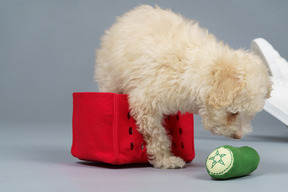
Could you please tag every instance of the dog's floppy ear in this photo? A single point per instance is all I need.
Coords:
(226, 84)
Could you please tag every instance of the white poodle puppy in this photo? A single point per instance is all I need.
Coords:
(166, 63)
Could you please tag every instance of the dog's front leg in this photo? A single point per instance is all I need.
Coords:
(157, 140)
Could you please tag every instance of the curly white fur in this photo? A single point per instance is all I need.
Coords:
(166, 63)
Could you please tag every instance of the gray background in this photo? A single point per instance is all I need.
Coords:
(47, 51)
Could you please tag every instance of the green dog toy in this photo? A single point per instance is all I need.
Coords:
(227, 162)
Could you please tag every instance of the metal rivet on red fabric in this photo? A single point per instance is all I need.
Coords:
(131, 146)
(128, 115)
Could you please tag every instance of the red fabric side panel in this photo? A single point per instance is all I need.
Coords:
(92, 127)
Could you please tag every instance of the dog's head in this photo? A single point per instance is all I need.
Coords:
(238, 88)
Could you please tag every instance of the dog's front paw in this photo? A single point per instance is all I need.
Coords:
(171, 162)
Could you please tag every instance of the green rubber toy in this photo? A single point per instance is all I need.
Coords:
(227, 162)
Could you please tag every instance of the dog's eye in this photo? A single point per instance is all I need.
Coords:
(232, 117)
(234, 114)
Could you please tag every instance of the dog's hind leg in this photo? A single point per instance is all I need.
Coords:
(158, 143)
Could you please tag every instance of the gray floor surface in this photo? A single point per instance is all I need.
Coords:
(36, 157)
